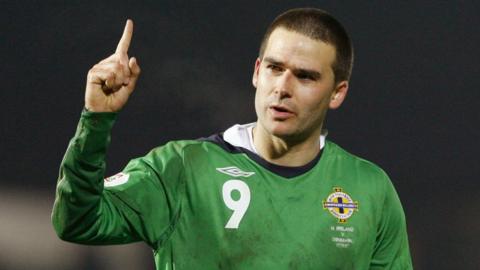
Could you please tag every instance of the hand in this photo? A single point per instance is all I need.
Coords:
(112, 80)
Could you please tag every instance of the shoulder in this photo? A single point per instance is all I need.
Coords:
(363, 176)
(181, 148)
(340, 157)
(171, 157)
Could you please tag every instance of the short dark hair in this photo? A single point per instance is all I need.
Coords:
(318, 25)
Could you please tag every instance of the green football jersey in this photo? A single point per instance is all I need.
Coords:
(214, 204)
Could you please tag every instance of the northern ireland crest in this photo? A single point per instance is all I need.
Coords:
(340, 205)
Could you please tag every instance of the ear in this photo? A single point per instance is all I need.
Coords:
(255, 72)
(338, 95)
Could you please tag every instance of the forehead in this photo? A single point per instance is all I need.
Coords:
(298, 50)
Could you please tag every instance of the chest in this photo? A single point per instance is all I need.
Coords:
(243, 213)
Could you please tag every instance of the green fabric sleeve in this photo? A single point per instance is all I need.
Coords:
(392, 249)
(87, 212)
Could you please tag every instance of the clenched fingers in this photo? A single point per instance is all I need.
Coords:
(117, 59)
(111, 76)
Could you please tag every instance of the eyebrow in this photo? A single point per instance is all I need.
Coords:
(309, 72)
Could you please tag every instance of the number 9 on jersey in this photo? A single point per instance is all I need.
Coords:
(239, 206)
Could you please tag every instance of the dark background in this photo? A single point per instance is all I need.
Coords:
(412, 106)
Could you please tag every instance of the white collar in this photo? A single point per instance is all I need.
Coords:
(242, 136)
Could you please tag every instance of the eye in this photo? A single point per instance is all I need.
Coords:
(305, 76)
(275, 68)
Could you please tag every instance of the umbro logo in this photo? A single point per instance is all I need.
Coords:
(234, 171)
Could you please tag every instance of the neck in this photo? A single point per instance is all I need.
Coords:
(284, 151)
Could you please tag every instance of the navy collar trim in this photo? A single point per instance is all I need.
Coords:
(284, 171)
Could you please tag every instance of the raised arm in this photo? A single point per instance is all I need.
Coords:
(86, 211)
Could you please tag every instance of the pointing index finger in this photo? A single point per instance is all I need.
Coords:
(124, 42)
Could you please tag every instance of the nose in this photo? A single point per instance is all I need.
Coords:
(284, 84)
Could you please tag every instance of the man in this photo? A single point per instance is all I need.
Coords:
(268, 195)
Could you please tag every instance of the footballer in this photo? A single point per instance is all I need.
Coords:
(272, 194)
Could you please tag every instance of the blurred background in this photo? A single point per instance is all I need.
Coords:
(412, 107)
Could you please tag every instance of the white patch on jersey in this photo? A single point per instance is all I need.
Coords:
(242, 136)
(116, 180)
(235, 172)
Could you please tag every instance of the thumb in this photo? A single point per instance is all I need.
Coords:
(135, 73)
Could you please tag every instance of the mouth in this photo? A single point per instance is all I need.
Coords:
(280, 109)
(280, 112)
